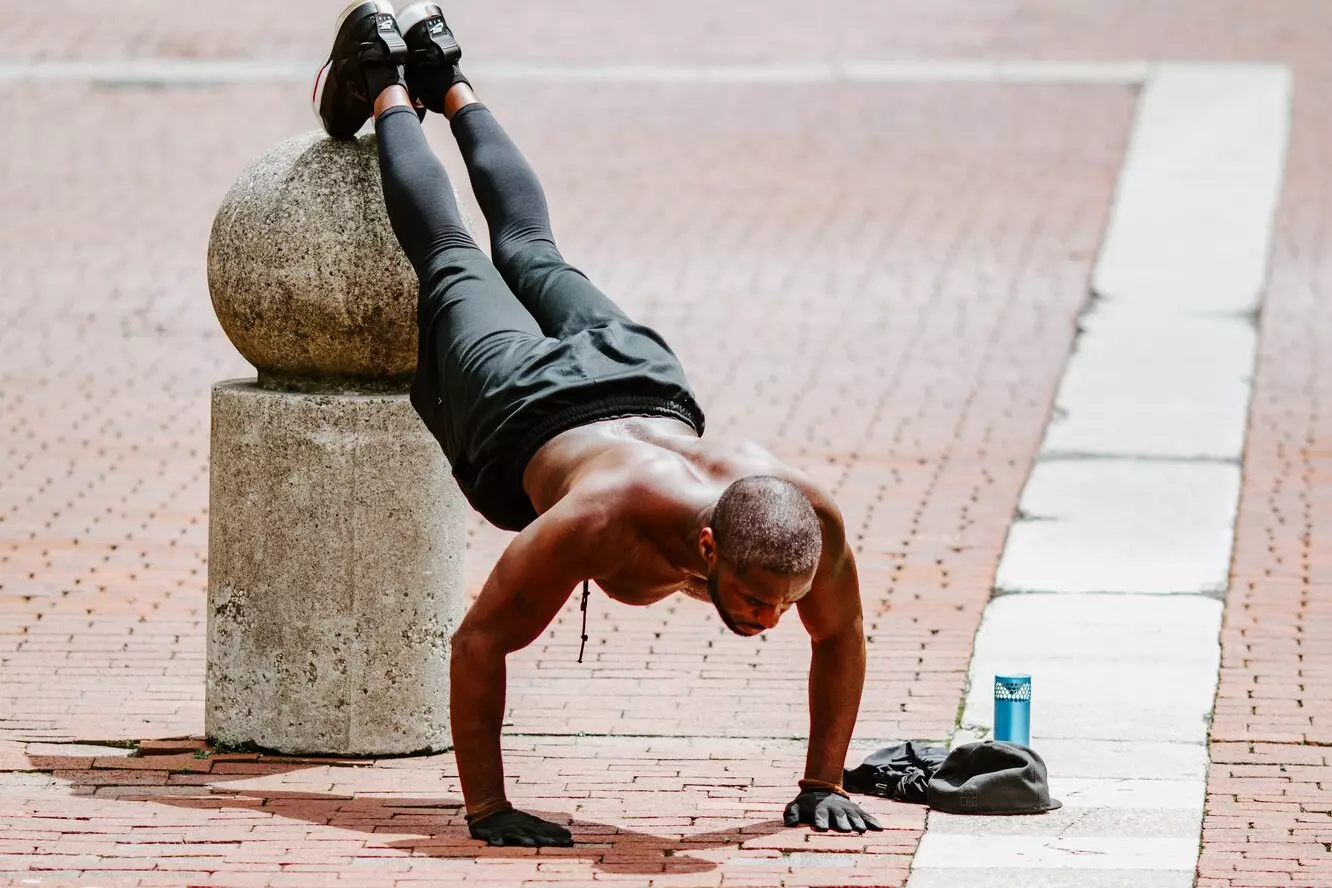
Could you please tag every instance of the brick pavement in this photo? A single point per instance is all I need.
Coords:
(908, 358)
(1269, 805)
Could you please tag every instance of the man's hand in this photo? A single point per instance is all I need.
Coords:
(823, 809)
(508, 828)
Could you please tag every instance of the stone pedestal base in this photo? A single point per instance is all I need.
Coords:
(335, 582)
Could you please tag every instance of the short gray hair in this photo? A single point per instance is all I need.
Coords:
(762, 521)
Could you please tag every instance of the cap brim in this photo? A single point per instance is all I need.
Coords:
(1055, 804)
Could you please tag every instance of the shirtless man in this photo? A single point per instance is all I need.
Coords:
(565, 420)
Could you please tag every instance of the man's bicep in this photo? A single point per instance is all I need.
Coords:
(531, 582)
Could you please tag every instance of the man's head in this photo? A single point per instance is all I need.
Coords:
(762, 546)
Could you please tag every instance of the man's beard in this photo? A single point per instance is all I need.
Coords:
(715, 595)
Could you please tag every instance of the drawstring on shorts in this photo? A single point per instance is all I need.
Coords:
(583, 608)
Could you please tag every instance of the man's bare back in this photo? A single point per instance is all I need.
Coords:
(655, 478)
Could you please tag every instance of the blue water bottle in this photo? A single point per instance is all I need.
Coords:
(1012, 708)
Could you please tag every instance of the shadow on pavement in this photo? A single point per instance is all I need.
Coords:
(435, 825)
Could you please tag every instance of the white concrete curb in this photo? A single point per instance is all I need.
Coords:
(1126, 525)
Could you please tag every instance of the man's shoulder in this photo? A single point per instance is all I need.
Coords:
(647, 484)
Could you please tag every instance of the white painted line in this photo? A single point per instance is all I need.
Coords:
(1124, 794)
(161, 71)
(949, 851)
(998, 71)
(1122, 684)
(1087, 822)
(984, 877)
(1192, 218)
(1112, 491)
(1131, 760)
(1145, 383)
(212, 71)
(1128, 526)
(1100, 685)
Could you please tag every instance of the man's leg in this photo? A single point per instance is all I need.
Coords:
(473, 301)
(472, 329)
(364, 77)
(522, 243)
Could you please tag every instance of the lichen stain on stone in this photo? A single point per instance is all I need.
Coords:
(228, 603)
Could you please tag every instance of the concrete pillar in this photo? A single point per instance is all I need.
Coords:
(336, 532)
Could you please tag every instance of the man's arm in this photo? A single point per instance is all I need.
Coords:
(831, 614)
(525, 590)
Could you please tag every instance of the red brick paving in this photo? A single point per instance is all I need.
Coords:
(606, 31)
(1269, 804)
(679, 812)
(942, 238)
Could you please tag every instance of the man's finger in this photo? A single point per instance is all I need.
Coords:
(523, 840)
(821, 818)
(558, 834)
(870, 820)
(840, 822)
(792, 815)
(857, 824)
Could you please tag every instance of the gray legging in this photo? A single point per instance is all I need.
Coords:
(515, 350)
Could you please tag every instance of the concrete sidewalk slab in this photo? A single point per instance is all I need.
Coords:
(1084, 683)
(1146, 384)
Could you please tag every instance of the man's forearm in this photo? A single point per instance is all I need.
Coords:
(476, 713)
(836, 680)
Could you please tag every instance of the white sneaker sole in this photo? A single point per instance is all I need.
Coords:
(317, 98)
(416, 13)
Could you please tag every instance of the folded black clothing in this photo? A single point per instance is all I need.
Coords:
(900, 772)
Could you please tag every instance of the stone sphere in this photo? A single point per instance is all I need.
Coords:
(306, 276)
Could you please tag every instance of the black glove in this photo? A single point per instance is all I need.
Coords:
(821, 809)
(511, 827)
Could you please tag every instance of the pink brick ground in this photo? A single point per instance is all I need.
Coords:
(885, 295)
(704, 31)
(1269, 802)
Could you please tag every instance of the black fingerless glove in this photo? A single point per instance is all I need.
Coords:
(827, 808)
(514, 828)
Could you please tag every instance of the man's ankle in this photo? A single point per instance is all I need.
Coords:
(458, 97)
(394, 96)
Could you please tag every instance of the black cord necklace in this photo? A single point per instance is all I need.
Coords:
(583, 608)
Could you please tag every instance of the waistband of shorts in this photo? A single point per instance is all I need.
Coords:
(603, 409)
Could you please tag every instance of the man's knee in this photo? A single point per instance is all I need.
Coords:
(522, 258)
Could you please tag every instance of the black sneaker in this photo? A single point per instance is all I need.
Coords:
(367, 56)
(433, 54)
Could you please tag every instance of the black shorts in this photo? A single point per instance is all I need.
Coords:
(493, 386)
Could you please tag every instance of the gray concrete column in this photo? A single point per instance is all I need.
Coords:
(336, 531)
(335, 567)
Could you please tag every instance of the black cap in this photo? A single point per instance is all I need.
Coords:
(992, 777)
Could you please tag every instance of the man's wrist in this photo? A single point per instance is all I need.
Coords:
(822, 786)
(484, 810)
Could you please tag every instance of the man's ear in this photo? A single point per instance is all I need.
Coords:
(707, 546)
